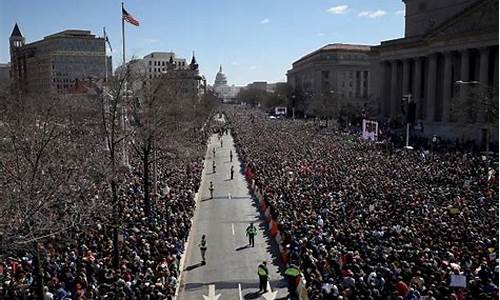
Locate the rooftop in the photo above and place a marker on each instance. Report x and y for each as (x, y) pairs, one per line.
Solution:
(71, 33)
(339, 47)
(160, 55)
(16, 32)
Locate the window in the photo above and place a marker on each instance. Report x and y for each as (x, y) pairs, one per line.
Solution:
(325, 74)
(150, 64)
(163, 63)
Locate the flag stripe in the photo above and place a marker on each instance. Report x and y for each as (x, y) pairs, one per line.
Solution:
(129, 18)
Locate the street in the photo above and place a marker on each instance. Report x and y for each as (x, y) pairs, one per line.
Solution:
(231, 266)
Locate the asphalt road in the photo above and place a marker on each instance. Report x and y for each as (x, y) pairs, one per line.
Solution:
(231, 266)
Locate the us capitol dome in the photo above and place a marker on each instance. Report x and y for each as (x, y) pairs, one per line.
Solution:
(220, 78)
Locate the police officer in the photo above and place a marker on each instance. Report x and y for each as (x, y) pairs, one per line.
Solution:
(263, 274)
(213, 166)
(230, 155)
(232, 172)
(211, 188)
(292, 274)
(251, 232)
(203, 248)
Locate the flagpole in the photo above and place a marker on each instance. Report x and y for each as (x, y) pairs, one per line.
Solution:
(105, 55)
(124, 146)
(123, 37)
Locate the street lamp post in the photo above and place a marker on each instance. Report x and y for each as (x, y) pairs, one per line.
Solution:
(410, 111)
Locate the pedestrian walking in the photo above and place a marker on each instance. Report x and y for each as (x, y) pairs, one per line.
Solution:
(251, 232)
(203, 248)
(211, 189)
(221, 142)
(213, 166)
(232, 172)
(213, 152)
(263, 274)
(230, 155)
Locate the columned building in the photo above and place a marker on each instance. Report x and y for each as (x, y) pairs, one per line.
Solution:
(449, 47)
(339, 70)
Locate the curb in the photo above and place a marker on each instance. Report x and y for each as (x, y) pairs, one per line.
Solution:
(184, 254)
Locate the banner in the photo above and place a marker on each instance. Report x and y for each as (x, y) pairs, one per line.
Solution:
(370, 130)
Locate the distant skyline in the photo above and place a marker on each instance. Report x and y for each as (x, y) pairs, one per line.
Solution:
(253, 40)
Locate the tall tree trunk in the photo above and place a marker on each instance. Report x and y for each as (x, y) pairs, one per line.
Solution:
(116, 249)
(37, 272)
(147, 201)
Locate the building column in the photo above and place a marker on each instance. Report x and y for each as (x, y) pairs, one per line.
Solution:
(483, 80)
(447, 86)
(394, 89)
(431, 87)
(386, 92)
(417, 85)
(495, 75)
(464, 70)
(406, 76)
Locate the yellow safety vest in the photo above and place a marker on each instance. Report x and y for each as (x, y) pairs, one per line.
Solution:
(203, 245)
(293, 272)
(261, 271)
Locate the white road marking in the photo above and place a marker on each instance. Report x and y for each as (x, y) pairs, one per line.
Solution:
(239, 291)
(232, 227)
(269, 295)
(211, 293)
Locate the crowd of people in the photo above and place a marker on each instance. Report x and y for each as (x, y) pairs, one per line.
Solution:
(368, 221)
(78, 264)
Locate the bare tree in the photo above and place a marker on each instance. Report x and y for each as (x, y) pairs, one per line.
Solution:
(162, 112)
(476, 104)
(114, 101)
(42, 167)
(324, 106)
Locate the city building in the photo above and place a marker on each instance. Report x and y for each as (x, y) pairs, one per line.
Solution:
(156, 63)
(183, 80)
(4, 72)
(258, 86)
(53, 64)
(342, 70)
(224, 91)
(449, 48)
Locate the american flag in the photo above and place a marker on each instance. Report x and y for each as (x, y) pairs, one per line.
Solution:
(129, 18)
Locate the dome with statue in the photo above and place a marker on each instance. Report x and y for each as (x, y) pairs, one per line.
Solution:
(220, 78)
